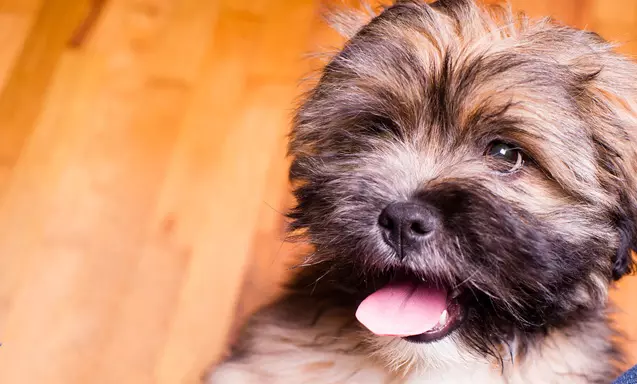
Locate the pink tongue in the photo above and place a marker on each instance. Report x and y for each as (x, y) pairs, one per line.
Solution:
(402, 309)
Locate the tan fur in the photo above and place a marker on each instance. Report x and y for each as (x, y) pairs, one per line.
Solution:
(328, 353)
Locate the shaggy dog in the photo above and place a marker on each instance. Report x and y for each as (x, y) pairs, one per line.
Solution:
(466, 178)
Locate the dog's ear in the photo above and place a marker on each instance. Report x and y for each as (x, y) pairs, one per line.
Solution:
(610, 81)
(617, 171)
(624, 262)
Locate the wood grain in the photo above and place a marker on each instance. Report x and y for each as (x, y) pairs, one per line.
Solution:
(143, 176)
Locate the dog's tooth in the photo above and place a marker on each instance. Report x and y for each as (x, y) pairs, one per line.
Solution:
(443, 317)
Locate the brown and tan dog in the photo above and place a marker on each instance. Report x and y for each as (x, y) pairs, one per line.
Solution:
(467, 180)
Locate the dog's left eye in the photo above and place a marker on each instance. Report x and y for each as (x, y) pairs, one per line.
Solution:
(505, 158)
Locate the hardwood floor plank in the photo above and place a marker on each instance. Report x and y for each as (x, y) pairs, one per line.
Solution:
(255, 127)
(15, 24)
(22, 7)
(27, 82)
(143, 318)
(200, 153)
(103, 144)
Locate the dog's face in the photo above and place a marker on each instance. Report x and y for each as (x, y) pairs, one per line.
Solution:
(473, 158)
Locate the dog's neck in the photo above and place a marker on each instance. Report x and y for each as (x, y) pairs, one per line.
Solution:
(296, 338)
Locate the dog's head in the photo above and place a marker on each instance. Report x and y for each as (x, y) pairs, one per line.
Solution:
(468, 176)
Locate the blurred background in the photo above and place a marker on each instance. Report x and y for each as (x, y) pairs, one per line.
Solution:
(142, 176)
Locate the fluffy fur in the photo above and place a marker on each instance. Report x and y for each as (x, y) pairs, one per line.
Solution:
(405, 112)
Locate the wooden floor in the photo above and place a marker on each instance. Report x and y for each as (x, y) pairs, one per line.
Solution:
(142, 176)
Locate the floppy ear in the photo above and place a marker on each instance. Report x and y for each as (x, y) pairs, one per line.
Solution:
(624, 262)
(616, 142)
(617, 160)
(616, 177)
(610, 81)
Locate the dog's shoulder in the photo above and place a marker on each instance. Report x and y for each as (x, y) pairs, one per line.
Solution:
(298, 339)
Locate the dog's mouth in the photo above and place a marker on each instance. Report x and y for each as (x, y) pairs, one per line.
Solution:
(416, 311)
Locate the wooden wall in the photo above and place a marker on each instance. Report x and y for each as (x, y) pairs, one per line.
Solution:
(142, 175)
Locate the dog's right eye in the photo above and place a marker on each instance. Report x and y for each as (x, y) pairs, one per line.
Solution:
(505, 158)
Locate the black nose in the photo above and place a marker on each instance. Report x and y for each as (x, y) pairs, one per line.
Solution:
(405, 225)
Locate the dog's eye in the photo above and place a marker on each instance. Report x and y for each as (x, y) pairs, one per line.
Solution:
(505, 158)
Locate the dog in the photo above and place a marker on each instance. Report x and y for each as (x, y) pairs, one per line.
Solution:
(466, 179)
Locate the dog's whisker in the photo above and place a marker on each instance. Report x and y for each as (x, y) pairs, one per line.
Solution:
(463, 282)
(302, 265)
(274, 209)
(315, 284)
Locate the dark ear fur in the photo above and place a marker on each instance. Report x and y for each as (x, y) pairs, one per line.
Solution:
(624, 262)
(624, 215)
(618, 181)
